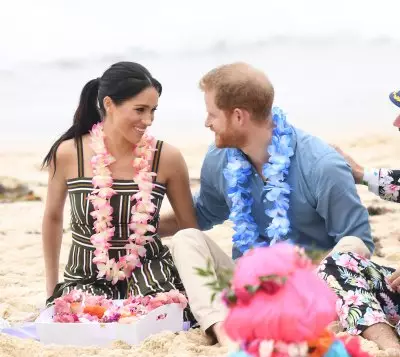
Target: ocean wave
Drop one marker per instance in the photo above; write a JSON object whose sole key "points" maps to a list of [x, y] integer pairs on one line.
{"points": [[221, 46]]}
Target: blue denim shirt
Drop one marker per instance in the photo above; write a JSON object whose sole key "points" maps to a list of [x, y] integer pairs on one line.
{"points": [[324, 204]]}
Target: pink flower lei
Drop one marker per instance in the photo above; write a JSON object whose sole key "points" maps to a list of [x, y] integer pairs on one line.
{"points": [[141, 211]]}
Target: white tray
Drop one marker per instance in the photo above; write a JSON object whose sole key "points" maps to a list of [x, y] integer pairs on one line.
{"points": [[104, 334]]}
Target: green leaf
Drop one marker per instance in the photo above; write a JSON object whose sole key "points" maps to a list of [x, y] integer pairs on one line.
{"points": [[214, 294], [202, 272], [252, 289], [231, 297]]}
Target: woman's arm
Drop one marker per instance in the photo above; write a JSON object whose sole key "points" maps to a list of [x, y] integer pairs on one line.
{"points": [[175, 172], [385, 183], [52, 224]]}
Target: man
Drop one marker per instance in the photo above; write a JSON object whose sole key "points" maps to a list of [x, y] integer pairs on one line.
{"points": [[324, 210]]}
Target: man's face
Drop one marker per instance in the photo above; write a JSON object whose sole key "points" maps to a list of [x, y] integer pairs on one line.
{"points": [[227, 134]]}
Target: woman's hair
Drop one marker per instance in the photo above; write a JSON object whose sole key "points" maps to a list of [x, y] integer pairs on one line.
{"points": [[278, 296], [120, 82]]}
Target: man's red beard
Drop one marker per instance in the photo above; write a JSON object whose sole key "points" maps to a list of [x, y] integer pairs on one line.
{"points": [[229, 139]]}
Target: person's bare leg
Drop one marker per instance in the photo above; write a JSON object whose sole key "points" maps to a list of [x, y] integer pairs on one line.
{"points": [[383, 335], [218, 333]]}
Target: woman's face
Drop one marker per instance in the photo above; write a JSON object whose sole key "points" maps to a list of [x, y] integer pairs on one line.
{"points": [[132, 117]]}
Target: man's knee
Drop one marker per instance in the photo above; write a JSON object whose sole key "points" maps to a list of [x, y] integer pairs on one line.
{"points": [[189, 237], [353, 245]]}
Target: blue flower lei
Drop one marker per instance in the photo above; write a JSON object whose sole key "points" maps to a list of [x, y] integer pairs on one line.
{"points": [[237, 172]]}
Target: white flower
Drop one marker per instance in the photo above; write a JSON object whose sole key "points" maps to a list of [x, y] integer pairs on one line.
{"points": [[298, 349], [266, 348]]}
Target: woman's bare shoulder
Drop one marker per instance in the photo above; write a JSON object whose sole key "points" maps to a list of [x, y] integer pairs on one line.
{"points": [[66, 152], [171, 162], [170, 152]]}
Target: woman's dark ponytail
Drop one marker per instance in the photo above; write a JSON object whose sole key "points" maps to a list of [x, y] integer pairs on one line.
{"points": [[86, 115]]}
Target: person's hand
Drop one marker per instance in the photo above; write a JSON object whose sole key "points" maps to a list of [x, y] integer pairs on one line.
{"points": [[357, 170], [394, 280]]}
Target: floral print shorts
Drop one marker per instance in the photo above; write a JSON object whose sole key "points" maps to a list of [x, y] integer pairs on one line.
{"points": [[364, 295]]}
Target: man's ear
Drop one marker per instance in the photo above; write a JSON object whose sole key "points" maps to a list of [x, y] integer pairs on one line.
{"points": [[241, 116]]}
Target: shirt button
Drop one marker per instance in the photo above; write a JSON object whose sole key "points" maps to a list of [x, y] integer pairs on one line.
{"points": [[256, 175]]}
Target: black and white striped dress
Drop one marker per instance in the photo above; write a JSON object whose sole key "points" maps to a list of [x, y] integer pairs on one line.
{"points": [[157, 273]]}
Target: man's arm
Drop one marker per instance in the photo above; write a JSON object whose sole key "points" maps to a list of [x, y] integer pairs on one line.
{"points": [[211, 207], [209, 202], [338, 201], [168, 225]]}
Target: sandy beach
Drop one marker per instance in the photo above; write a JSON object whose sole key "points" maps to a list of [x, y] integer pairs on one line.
{"points": [[22, 281]]}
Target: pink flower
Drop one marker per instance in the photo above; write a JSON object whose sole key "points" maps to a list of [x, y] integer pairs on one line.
{"points": [[100, 257], [140, 239], [97, 202], [105, 192], [178, 298], [266, 348], [87, 318], [388, 284], [143, 206], [298, 349], [65, 318], [159, 300], [142, 196], [100, 225], [102, 181], [345, 260], [102, 237], [140, 217], [105, 269], [139, 228], [116, 273], [61, 306], [392, 189], [103, 213], [362, 283], [140, 164], [102, 160], [100, 199], [353, 331], [130, 261], [146, 185], [352, 298], [373, 316], [342, 311]]}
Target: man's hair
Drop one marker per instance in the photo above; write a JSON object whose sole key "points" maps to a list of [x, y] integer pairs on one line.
{"points": [[239, 85]]}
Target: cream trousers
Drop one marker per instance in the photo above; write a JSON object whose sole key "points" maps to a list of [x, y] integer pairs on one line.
{"points": [[191, 248]]}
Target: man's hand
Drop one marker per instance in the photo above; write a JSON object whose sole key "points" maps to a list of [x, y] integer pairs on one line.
{"points": [[357, 170], [168, 225], [394, 280]]}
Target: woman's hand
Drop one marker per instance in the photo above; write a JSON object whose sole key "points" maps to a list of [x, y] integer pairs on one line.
{"points": [[394, 280]]}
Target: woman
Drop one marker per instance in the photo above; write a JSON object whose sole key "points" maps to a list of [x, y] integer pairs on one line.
{"points": [[116, 177], [369, 294], [382, 182]]}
